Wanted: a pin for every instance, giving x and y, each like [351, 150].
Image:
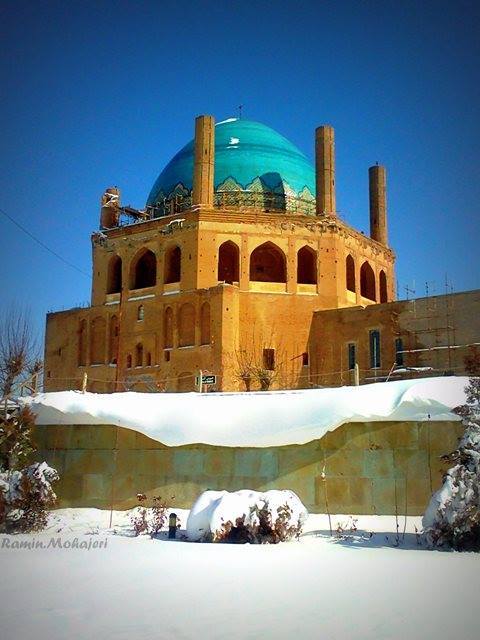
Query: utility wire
[43, 244]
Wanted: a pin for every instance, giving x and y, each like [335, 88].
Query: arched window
[350, 273]
[383, 287]
[205, 323]
[144, 270]
[113, 340]
[139, 355]
[228, 262]
[186, 325]
[367, 281]
[168, 328]
[148, 359]
[268, 264]
[129, 361]
[82, 343]
[140, 313]
[114, 275]
[173, 265]
[97, 341]
[307, 266]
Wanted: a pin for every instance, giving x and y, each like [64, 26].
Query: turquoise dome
[248, 156]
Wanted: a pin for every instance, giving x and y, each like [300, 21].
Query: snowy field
[318, 587]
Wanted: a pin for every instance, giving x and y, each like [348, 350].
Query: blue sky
[104, 93]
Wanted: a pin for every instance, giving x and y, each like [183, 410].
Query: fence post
[356, 375]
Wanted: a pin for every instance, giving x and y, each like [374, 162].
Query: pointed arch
[186, 325]
[173, 265]
[367, 281]
[350, 273]
[143, 270]
[268, 264]
[307, 266]
[383, 286]
[129, 361]
[228, 262]
[82, 343]
[114, 275]
[168, 328]
[205, 323]
[97, 340]
[113, 340]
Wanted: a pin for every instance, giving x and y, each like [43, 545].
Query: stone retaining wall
[379, 467]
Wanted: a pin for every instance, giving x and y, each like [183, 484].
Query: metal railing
[235, 199]
[264, 201]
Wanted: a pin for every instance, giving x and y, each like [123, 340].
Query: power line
[42, 244]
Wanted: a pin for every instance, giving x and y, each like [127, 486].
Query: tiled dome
[248, 156]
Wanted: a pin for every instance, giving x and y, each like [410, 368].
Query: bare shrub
[139, 517]
[152, 519]
[260, 528]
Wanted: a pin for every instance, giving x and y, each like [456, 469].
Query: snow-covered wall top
[260, 419]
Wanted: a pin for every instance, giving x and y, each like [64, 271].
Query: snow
[354, 588]
[453, 511]
[261, 419]
[39, 473]
[149, 295]
[214, 508]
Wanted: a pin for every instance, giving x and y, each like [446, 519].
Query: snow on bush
[25, 497]
[246, 516]
[452, 517]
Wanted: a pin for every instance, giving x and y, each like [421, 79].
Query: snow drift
[262, 419]
[214, 508]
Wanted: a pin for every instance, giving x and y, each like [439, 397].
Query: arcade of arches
[267, 264]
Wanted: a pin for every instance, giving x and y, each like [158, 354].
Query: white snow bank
[214, 508]
[262, 419]
[316, 588]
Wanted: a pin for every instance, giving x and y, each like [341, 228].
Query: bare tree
[262, 361]
[19, 353]
[244, 367]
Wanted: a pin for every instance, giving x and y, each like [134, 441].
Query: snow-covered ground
[263, 419]
[319, 587]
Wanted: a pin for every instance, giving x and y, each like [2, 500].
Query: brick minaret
[377, 182]
[325, 170]
[204, 160]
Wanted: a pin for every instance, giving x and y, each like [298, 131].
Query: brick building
[227, 269]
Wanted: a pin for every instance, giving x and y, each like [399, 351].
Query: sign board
[206, 379]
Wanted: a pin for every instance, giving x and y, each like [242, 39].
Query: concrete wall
[370, 467]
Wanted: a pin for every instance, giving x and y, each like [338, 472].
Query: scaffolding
[432, 331]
